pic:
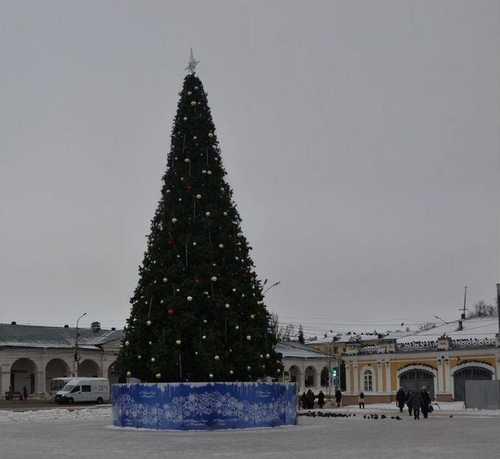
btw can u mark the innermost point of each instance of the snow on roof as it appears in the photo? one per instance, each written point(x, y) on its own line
point(288, 349)
point(476, 328)
point(361, 337)
point(54, 337)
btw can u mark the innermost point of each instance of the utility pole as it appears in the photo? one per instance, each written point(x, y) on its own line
point(465, 303)
point(498, 312)
point(77, 353)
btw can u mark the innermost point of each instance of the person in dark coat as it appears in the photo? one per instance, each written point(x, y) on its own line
point(409, 396)
point(303, 401)
point(310, 399)
point(25, 393)
point(401, 399)
point(321, 399)
point(426, 402)
point(361, 400)
point(416, 403)
point(338, 397)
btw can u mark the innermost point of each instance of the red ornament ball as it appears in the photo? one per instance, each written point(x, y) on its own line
point(171, 312)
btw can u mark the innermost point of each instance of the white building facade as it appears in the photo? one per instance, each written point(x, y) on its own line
point(308, 368)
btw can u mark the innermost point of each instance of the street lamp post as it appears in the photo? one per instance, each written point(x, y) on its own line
point(270, 287)
point(77, 356)
point(498, 312)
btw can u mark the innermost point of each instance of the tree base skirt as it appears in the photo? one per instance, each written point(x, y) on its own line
point(204, 406)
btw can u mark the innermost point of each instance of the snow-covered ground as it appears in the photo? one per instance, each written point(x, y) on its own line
point(87, 433)
point(55, 415)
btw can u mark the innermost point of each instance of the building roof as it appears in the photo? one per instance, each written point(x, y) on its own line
point(478, 328)
point(297, 350)
point(360, 337)
point(13, 335)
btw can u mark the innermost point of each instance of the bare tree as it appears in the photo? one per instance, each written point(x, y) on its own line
point(281, 332)
point(483, 309)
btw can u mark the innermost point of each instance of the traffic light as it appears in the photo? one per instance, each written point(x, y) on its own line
point(334, 376)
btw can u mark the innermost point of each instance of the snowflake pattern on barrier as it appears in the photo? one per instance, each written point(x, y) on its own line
point(161, 405)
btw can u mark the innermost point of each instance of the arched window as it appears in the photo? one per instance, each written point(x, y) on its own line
point(310, 377)
point(368, 381)
point(294, 374)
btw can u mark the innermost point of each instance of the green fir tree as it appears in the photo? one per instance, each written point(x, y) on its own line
point(198, 312)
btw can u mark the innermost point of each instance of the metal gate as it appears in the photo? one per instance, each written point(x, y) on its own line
point(468, 374)
point(416, 380)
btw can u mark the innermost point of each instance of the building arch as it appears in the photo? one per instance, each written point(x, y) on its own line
point(470, 371)
point(55, 368)
point(23, 373)
point(310, 377)
point(415, 377)
point(294, 373)
point(473, 364)
point(325, 377)
point(89, 368)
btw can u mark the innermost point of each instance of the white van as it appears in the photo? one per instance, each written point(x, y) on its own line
point(56, 384)
point(84, 390)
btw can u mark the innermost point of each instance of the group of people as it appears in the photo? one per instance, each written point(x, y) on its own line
point(307, 400)
point(417, 402)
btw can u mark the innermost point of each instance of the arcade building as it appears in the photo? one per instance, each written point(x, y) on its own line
point(32, 355)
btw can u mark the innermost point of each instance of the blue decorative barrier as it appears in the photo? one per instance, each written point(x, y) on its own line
point(204, 406)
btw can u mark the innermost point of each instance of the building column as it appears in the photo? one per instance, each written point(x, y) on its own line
point(380, 379)
point(348, 381)
point(388, 378)
point(318, 379)
point(447, 377)
point(440, 375)
point(40, 382)
point(4, 380)
point(40, 374)
point(302, 378)
point(356, 378)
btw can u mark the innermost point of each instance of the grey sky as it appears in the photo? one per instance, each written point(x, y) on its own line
point(362, 139)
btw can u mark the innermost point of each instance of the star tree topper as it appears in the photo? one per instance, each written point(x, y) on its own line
point(191, 67)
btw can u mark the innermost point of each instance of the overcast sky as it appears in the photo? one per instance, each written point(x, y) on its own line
point(362, 139)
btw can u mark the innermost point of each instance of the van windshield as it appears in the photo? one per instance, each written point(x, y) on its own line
point(68, 387)
point(57, 384)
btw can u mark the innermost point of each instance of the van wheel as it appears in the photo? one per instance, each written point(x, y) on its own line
point(100, 401)
point(71, 401)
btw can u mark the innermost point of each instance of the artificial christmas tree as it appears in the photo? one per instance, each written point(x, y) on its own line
point(197, 312)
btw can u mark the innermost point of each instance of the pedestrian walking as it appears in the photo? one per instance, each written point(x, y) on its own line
point(401, 399)
point(303, 401)
point(361, 400)
point(416, 402)
point(409, 402)
point(25, 393)
point(338, 398)
point(426, 402)
point(310, 399)
point(321, 399)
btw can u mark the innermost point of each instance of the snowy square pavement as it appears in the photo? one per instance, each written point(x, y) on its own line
point(87, 433)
